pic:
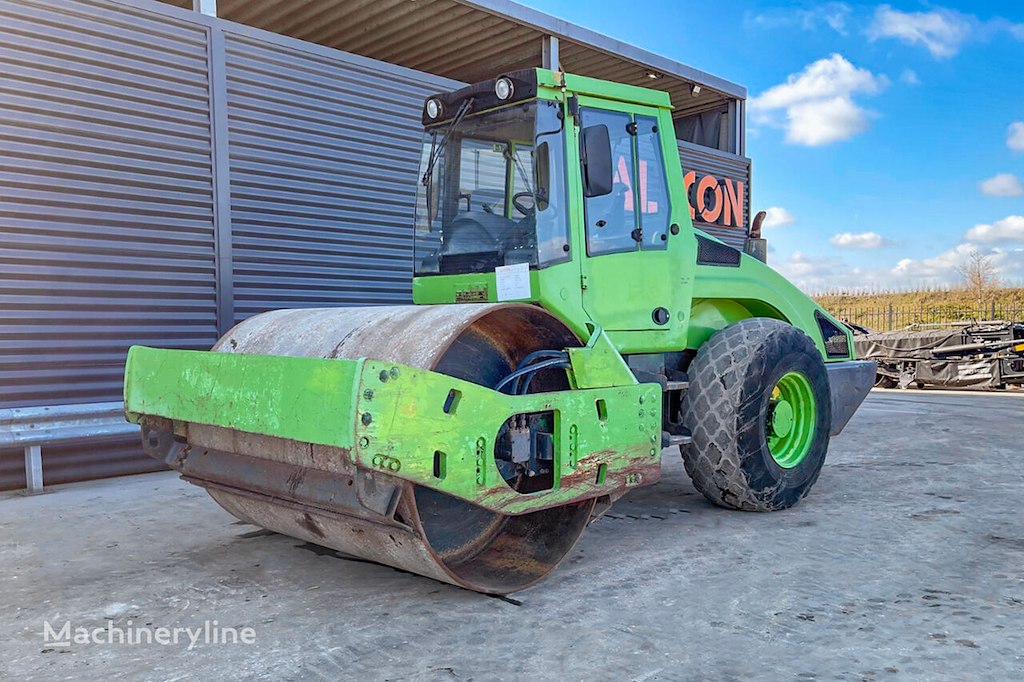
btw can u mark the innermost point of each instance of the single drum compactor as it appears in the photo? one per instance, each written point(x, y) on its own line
point(570, 323)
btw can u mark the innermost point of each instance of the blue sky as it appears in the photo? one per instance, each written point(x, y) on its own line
point(887, 139)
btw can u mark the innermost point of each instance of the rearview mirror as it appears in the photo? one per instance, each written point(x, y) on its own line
point(596, 153)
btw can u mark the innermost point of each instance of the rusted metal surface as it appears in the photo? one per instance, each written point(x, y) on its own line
point(317, 494)
point(591, 455)
point(419, 336)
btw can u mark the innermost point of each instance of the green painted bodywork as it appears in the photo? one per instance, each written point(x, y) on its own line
point(391, 418)
point(272, 395)
point(791, 420)
point(619, 291)
point(598, 364)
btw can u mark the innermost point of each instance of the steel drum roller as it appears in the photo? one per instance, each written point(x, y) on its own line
point(418, 529)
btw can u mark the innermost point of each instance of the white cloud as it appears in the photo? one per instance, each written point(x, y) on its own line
point(938, 269)
point(1015, 136)
point(824, 79)
point(821, 122)
point(777, 217)
point(862, 240)
point(1002, 185)
point(834, 15)
point(942, 269)
point(815, 274)
point(810, 273)
point(1009, 229)
point(909, 77)
point(817, 103)
point(1002, 242)
point(941, 31)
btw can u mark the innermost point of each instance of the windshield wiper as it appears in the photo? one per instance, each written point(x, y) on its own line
point(437, 148)
point(518, 164)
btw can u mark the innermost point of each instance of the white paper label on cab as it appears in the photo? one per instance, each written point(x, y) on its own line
point(513, 281)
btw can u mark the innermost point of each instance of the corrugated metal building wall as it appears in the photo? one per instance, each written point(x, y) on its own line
point(143, 150)
point(105, 208)
point(107, 199)
point(164, 174)
point(324, 152)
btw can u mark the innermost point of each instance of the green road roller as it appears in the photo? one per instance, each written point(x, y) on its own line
point(569, 325)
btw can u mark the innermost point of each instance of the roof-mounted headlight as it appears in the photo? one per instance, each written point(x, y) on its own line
point(503, 88)
point(434, 108)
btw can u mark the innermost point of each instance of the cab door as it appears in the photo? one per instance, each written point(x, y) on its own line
point(627, 273)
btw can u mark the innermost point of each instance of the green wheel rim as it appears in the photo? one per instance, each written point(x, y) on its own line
point(790, 419)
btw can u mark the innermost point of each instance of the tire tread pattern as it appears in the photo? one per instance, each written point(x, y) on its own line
point(717, 412)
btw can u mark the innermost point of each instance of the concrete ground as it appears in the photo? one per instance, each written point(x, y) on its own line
point(906, 562)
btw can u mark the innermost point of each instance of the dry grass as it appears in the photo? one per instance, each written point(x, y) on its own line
point(1007, 297)
point(895, 310)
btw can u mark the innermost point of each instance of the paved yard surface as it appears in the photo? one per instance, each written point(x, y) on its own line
point(906, 562)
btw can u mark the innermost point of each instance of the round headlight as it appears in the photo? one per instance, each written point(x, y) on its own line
point(503, 88)
point(433, 107)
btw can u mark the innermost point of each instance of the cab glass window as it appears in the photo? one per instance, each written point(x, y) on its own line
point(550, 186)
point(492, 192)
point(651, 184)
point(611, 219)
point(636, 214)
point(482, 182)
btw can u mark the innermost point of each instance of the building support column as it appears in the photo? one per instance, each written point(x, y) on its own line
point(34, 468)
point(549, 53)
point(207, 7)
point(221, 160)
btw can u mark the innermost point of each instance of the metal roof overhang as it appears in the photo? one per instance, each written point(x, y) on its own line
point(473, 40)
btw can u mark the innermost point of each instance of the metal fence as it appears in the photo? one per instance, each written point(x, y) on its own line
point(32, 428)
point(891, 317)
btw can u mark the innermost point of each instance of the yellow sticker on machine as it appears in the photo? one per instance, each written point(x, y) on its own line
point(473, 294)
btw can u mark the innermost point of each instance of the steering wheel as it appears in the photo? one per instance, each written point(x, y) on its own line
point(517, 202)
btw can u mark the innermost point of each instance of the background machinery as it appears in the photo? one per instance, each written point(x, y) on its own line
point(984, 354)
point(570, 324)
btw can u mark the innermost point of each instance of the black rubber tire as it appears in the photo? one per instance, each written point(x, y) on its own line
point(731, 380)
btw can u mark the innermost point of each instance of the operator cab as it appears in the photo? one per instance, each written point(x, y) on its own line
point(568, 177)
point(492, 184)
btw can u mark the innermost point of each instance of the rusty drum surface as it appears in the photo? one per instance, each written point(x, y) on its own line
point(318, 495)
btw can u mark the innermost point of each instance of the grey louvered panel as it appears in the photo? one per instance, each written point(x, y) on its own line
point(325, 152)
point(722, 165)
point(106, 227)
